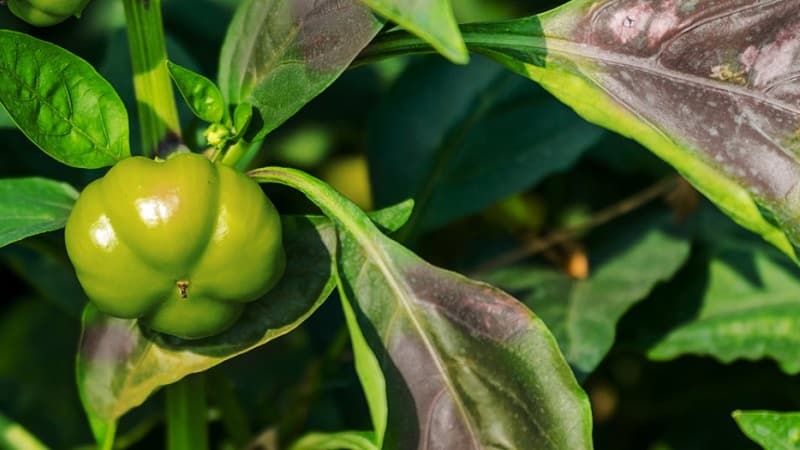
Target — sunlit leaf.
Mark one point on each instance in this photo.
(625, 264)
(14, 437)
(346, 440)
(201, 94)
(748, 308)
(61, 103)
(461, 364)
(771, 430)
(432, 20)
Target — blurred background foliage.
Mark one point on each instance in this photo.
(633, 272)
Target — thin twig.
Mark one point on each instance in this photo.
(602, 217)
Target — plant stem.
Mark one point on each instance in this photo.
(187, 414)
(530, 248)
(158, 114)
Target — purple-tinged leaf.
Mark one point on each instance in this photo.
(446, 362)
(712, 87)
(280, 54)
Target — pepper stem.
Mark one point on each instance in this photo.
(158, 113)
(187, 414)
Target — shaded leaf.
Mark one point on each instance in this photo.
(749, 309)
(431, 20)
(771, 430)
(279, 54)
(432, 136)
(48, 271)
(36, 372)
(626, 263)
(121, 364)
(465, 365)
(201, 94)
(346, 440)
(61, 103)
(30, 206)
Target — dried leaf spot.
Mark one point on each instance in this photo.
(477, 307)
(724, 72)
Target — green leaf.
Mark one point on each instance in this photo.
(345, 440)
(36, 371)
(14, 437)
(748, 308)
(61, 103)
(771, 430)
(5, 119)
(121, 364)
(280, 54)
(394, 217)
(30, 206)
(695, 82)
(430, 138)
(201, 94)
(431, 20)
(583, 314)
(465, 365)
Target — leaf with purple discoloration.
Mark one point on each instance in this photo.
(446, 362)
(280, 54)
(711, 87)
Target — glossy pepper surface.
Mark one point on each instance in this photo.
(183, 244)
(44, 13)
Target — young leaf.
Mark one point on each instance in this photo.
(748, 308)
(30, 206)
(430, 137)
(120, 365)
(771, 430)
(14, 437)
(280, 54)
(709, 87)
(431, 20)
(61, 103)
(583, 313)
(465, 365)
(345, 440)
(201, 94)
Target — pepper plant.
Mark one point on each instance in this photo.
(179, 265)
